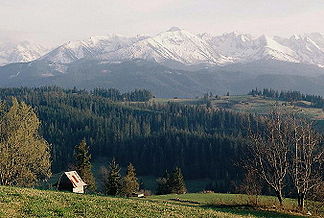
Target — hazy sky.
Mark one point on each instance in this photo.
(55, 21)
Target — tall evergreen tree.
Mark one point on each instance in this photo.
(82, 164)
(177, 183)
(130, 183)
(172, 183)
(163, 184)
(113, 180)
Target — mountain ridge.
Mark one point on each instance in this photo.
(188, 48)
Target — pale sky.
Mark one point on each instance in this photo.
(56, 21)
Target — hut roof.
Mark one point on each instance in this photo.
(74, 177)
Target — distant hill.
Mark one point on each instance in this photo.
(164, 80)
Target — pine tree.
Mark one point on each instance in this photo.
(163, 184)
(82, 164)
(130, 183)
(113, 179)
(177, 184)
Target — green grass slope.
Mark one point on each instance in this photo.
(22, 202)
(239, 204)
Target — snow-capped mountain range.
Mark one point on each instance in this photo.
(172, 63)
(177, 45)
(89, 48)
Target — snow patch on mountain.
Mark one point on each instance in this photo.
(20, 52)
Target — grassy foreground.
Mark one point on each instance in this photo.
(21, 202)
(17, 202)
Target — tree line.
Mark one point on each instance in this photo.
(139, 95)
(291, 96)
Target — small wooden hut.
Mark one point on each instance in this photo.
(72, 182)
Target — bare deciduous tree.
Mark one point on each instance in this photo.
(285, 143)
(306, 157)
(269, 150)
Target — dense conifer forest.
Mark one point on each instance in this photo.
(203, 142)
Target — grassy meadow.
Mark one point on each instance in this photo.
(240, 204)
(23, 202)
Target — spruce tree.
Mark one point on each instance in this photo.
(113, 180)
(163, 184)
(177, 183)
(130, 183)
(82, 164)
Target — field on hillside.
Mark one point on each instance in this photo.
(21, 202)
(239, 203)
(259, 104)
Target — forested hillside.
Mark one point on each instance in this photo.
(204, 142)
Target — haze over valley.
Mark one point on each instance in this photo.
(172, 63)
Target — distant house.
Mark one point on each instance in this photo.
(138, 195)
(72, 182)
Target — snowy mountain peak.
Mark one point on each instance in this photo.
(174, 29)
